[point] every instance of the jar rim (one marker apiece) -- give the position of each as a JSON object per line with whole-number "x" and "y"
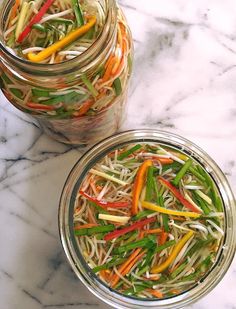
{"x": 77, "y": 63}
{"x": 225, "y": 254}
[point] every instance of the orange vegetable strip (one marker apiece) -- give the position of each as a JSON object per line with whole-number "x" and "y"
{"x": 164, "y": 160}
{"x": 154, "y": 231}
{"x": 117, "y": 63}
{"x": 85, "y": 226}
{"x": 109, "y": 68}
{"x": 125, "y": 268}
{"x": 115, "y": 278}
{"x": 131, "y": 264}
{"x": 163, "y": 238}
{"x": 138, "y": 184}
{"x": 155, "y": 293}
{"x": 41, "y": 107}
{"x": 14, "y": 10}
{"x": 84, "y": 108}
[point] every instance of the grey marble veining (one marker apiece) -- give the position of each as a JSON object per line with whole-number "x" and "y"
{"x": 184, "y": 81}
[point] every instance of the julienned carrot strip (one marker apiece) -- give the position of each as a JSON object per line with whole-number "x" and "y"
{"x": 84, "y": 108}
{"x": 105, "y": 204}
{"x": 182, "y": 219}
{"x": 164, "y": 160}
{"x": 109, "y": 60}
{"x": 175, "y": 291}
{"x": 154, "y": 231}
{"x": 119, "y": 36}
{"x": 120, "y": 68}
{"x": 131, "y": 264}
{"x": 163, "y": 238}
{"x": 117, "y": 63}
{"x": 35, "y": 20}
{"x": 14, "y": 10}
{"x": 138, "y": 184}
{"x": 105, "y": 274}
{"x": 109, "y": 68}
{"x": 115, "y": 278}
{"x": 41, "y": 107}
{"x": 178, "y": 195}
{"x": 155, "y": 293}
{"x": 85, "y": 226}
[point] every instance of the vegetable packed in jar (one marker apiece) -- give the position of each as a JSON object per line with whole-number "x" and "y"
{"x": 67, "y": 63}
{"x": 149, "y": 221}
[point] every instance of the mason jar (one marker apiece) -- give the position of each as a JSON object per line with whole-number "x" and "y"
{"x": 85, "y": 116}
{"x": 78, "y": 173}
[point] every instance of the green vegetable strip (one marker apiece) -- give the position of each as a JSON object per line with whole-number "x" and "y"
{"x": 16, "y": 92}
{"x": 99, "y": 208}
{"x": 113, "y": 262}
{"x": 199, "y": 244}
{"x": 166, "y": 245}
{"x": 142, "y": 214}
{"x": 182, "y": 172}
{"x": 39, "y": 27}
{"x": 159, "y": 198}
{"x": 146, "y": 265}
{"x": 137, "y": 244}
{"x": 149, "y": 186}
{"x": 117, "y": 86}
{"x": 143, "y": 270}
{"x": 126, "y": 237}
{"x": 201, "y": 203}
{"x": 70, "y": 97}
{"x": 190, "y": 277}
{"x": 205, "y": 263}
{"x": 131, "y": 238}
{"x": 179, "y": 269}
{"x": 62, "y": 21}
{"x": 215, "y": 198}
{"x": 78, "y": 12}
{"x": 195, "y": 173}
{"x": 95, "y": 230}
{"x": 125, "y": 154}
{"x": 89, "y": 85}
{"x": 40, "y": 92}
{"x": 138, "y": 288}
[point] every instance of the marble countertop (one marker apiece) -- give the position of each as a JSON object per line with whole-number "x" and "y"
{"x": 184, "y": 81}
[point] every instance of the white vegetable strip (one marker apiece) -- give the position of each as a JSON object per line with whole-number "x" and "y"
{"x": 188, "y": 198}
{"x": 109, "y": 177}
{"x": 204, "y": 197}
{"x": 118, "y": 219}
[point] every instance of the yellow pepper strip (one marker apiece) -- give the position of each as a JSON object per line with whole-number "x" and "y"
{"x": 72, "y": 36}
{"x": 160, "y": 268}
{"x": 163, "y": 210}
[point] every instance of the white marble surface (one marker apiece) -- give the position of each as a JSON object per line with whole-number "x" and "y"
{"x": 184, "y": 81}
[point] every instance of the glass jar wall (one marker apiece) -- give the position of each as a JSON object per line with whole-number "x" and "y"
{"x": 78, "y": 94}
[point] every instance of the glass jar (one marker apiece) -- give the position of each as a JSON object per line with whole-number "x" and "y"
{"x": 86, "y": 162}
{"x": 86, "y": 116}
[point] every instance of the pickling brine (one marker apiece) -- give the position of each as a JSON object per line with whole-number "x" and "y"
{"x": 68, "y": 64}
